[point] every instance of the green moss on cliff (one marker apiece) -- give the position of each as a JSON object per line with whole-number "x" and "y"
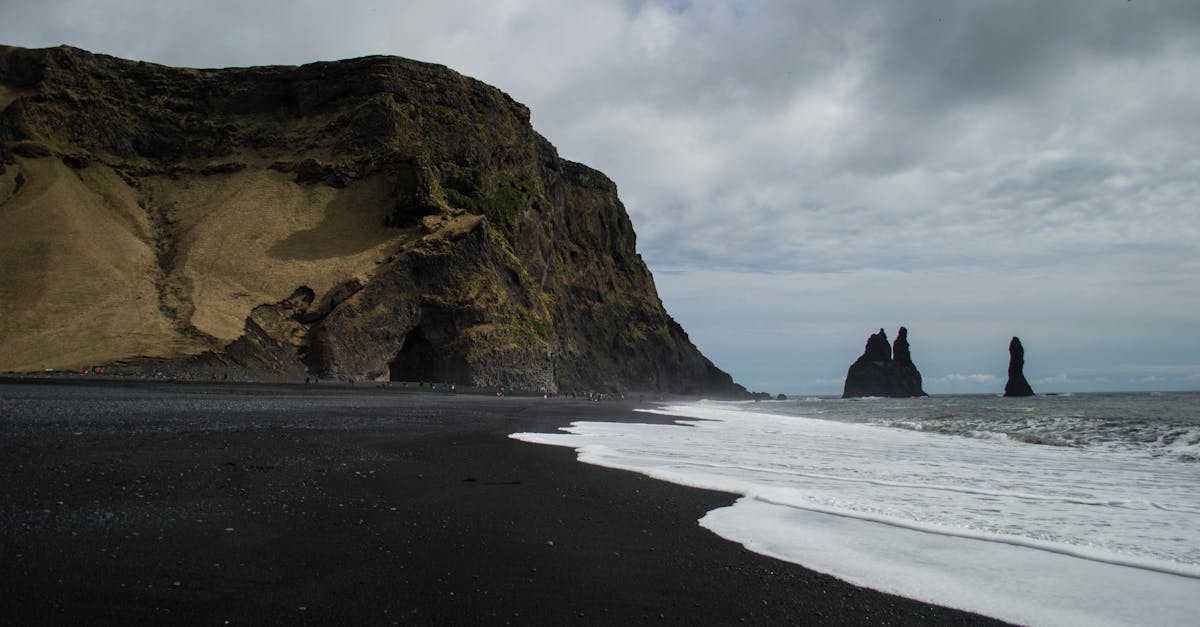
{"x": 499, "y": 195}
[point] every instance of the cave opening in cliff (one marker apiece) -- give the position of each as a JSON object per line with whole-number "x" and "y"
{"x": 415, "y": 361}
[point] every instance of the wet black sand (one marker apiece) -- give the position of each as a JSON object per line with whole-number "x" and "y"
{"x": 209, "y": 504}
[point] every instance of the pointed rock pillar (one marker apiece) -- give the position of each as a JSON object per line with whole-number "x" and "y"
{"x": 1017, "y": 385}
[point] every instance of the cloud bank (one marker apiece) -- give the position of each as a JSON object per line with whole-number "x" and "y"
{"x": 802, "y": 173}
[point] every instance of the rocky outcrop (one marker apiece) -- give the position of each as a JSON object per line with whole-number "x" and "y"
{"x": 375, "y": 218}
{"x": 884, "y": 370}
{"x": 1016, "y": 385}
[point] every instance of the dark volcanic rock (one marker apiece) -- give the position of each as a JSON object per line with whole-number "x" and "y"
{"x": 877, "y": 348}
{"x": 900, "y": 352}
{"x": 1016, "y": 385}
{"x": 498, "y": 261}
{"x": 884, "y": 370}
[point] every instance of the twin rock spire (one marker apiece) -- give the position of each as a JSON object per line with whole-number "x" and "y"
{"x": 884, "y": 370}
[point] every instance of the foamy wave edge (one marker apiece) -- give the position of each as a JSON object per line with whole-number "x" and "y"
{"x": 599, "y": 455}
{"x": 1167, "y": 568}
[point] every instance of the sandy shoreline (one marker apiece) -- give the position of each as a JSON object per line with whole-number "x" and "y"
{"x": 165, "y": 503}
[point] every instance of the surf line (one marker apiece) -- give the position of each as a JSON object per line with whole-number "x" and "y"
{"x": 1024, "y": 496}
{"x": 1038, "y": 545}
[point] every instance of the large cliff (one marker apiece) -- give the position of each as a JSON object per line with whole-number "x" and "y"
{"x": 364, "y": 219}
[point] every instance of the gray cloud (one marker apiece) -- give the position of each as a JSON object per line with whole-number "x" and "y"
{"x": 800, "y": 173}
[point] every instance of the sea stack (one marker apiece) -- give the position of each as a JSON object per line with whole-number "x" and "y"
{"x": 884, "y": 370}
{"x": 1017, "y": 385}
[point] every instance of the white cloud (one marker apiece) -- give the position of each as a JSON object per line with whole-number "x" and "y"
{"x": 1054, "y": 380}
{"x": 970, "y": 379}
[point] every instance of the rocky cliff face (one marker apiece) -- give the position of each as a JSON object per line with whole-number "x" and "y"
{"x": 1016, "y": 385}
{"x": 884, "y": 370}
{"x": 373, "y": 218}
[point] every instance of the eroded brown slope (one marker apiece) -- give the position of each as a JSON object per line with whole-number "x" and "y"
{"x": 369, "y": 218}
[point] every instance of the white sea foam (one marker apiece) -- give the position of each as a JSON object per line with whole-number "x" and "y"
{"x": 1026, "y": 533}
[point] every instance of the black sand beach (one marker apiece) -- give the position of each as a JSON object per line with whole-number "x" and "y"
{"x": 129, "y": 502}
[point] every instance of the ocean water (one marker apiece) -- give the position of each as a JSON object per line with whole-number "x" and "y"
{"x": 1049, "y": 510}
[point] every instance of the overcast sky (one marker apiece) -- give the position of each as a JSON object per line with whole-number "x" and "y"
{"x": 801, "y": 174}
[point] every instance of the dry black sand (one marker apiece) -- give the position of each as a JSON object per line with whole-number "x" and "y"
{"x": 179, "y": 503}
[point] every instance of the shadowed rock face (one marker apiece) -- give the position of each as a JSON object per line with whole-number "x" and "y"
{"x": 900, "y": 352}
{"x": 372, "y": 218}
{"x": 1016, "y": 385}
{"x": 884, "y": 370}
